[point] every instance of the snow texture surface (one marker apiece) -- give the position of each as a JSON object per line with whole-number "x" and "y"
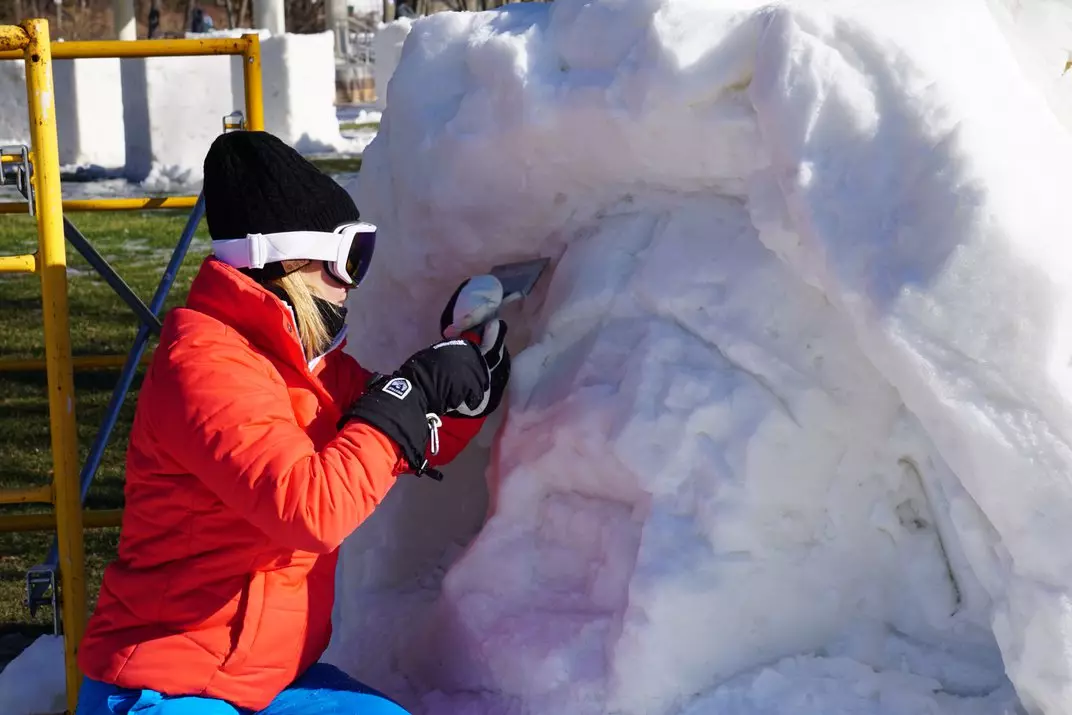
{"x": 789, "y": 422}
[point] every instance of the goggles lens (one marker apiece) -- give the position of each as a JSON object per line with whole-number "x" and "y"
{"x": 359, "y": 257}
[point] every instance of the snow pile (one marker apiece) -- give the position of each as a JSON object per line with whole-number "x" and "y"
{"x": 790, "y": 431}
{"x": 33, "y": 683}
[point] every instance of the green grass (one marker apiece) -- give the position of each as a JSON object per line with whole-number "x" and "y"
{"x": 138, "y": 246}
{"x": 354, "y": 126}
{"x": 337, "y": 164}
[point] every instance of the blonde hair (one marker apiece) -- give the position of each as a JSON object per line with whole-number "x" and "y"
{"x": 313, "y": 333}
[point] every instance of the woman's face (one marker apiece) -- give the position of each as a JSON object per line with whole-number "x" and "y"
{"x": 316, "y": 276}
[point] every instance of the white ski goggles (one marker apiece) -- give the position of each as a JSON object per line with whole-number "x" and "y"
{"x": 346, "y": 251}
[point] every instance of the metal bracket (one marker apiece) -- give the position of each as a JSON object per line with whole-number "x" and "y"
{"x": 41, "y": 590}
{"x": 15, "y": 169}
{"x": 233, "y": 122}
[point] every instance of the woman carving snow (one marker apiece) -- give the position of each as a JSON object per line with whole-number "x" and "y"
{"x": 258, "y": 445}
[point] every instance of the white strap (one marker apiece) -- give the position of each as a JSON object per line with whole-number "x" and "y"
{"x": 434, "y": 423}
{"x": 257, "y": 249}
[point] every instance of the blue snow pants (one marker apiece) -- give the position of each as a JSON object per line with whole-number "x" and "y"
{"x": 322, "y": 690}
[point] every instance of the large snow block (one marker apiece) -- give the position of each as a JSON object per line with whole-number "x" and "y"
{"x": 89, "y": 110}
{"x": 170, "y": 131}
{"x": 299, "y": 91}
{"x": 790, "y": 416}
{"x": 173, "y": 108}
{"x": 14, "y": 127}
{"x": 298, "y": 78}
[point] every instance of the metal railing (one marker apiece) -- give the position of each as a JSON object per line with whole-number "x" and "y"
{"x": 37, "y": 170}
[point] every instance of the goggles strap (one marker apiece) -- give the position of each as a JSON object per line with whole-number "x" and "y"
{"x": 257, "y": 250}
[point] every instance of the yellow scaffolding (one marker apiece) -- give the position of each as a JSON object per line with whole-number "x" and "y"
{"x": 139, "y": 204}
{"x": 30, "y": 43}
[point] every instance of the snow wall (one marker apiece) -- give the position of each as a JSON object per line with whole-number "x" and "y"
{"x": 128, "y": 114}
{"x": 789, "y": 422}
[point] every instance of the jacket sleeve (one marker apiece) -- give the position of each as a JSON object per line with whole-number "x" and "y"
{"x": 344, "y": 378}
{"x": 227, "y": 418}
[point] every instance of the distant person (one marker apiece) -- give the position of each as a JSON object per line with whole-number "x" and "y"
{"x": 258, "y": 445}
{"x": 197, "y": 20}
{"x": 154, "y": 21}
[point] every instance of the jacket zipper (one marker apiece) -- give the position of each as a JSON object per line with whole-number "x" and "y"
{"x": 306, "y": 370}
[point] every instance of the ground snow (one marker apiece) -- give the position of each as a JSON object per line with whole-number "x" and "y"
{"x": 788, "y": 432}
{"x": 34, "y": 683}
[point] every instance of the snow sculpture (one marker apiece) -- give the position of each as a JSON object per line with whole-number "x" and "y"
{"x": 797, "y": 388}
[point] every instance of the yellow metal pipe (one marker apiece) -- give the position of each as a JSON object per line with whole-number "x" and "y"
{"x": 137, "y": 204}
{"x": 251, "y": 74}
{"x": 19, "y": 264}
{"x": 140, "y": 48}
{"x": 78, "y": 362}
{"x": 13, "y": 39}
{"x": 52, "y": 264}
{"x": 27, "y": 495}
{"x": 102, "y": 519}
{"x": 46, "y": 521}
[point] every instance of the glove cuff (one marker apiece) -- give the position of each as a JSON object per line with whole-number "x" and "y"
{"x": 396, "y": 407}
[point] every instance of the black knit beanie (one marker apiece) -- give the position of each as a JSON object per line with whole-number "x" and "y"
{"x": 256, "y": 183}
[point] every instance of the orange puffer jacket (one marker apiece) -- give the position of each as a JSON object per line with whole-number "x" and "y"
{"x": 239, "y": 491}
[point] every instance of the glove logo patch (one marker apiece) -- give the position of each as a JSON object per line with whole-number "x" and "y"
{"x": 398, "y": 387}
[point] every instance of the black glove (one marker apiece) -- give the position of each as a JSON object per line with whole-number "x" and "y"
{"x": 492, "y": 336}
{"x": 406, "y": 405}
